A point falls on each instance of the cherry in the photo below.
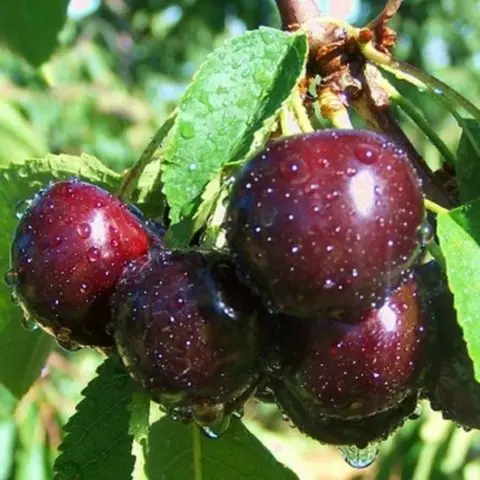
(69, 249)
(334, 431)
(187, 331)
(355, 364)
(324, 220)
(451, 385)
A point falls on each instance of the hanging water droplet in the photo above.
(208, 415)
(217, 430)
(239, 413)
(11, 278)
(14, 299)
(28, 323)
(425, 234)
(180, 414)
(360, 457)
(21, 208)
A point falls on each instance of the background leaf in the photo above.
(30, 27)
(240, 86)
(22, 353)
(98, 444)
(468, 161)
(459, 234)
(237, 455)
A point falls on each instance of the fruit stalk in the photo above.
(294, 12)
(377, 116)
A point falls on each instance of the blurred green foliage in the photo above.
(115, 76)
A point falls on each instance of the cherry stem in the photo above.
(419, 78)
(295, 12)
(419, 119)
(334, 110)
(132, 176)
(434, 207)
(389, 10)
(301, 113)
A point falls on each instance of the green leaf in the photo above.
(459, 234)
(8, 433)
(31, 461)
(180, 452)
(18, 182)
(240, 86)
(30, 28)
(468, 161)
(139, 427)
(30, 350)
(98, 444)
(22, 140)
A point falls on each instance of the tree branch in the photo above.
(296, 12)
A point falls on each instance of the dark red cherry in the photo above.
(68, 252)
(324, 220)
(355, 364)
(335, 431)
(451, 386)
(188, 333)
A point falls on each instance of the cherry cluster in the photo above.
(320, 299)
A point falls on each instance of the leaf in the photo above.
(467, 166)
(30, 28)
(19, 349)
(19, 132)
(459, 234)
(98, 444)
(23, 355)
(180, 452)
(240, 86)
(8, 433)
(31, 461)
(139, 427)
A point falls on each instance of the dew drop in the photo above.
(217, 430)
(11, 279)
(84, 230)
(425, 234)
(208, 415)
(28, 323)
(187, 130)
(192, 167)
(239, 413)
(367, 154)
(360, 457)
(14, 299)
(93, 254)
(21, 208)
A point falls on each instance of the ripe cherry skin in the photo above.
(451, 386)
(355, 364)
(187, 331)
(336, 431)
(68, 252)
(326, 219)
